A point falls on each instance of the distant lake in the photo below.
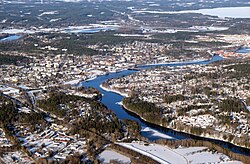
(243, 50)
(232, 12)
(90, 30)
(10, 38)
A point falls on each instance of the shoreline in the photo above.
(202, 137)
(146, 121)
(138, 116)
(174, 62)
(217, 141)
(136, 68)
(237, 149)
(78, 81)
(114, 91)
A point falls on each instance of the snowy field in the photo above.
(94, 27)
(108, 155)
(156, 134)
(73, 82)
(157, 152)
(113, 90)
(193, 155)
(201, 155)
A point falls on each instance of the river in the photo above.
(243, 50)
(111, 99)
(10, 38)
(150, 131)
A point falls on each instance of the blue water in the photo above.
(213, 59)
(243, 50)
(92, 30)
(10, 38)
(110, 99)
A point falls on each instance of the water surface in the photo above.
(232, 12)
(89, 30)
(10, 38)
(243, 50)
(110, 99)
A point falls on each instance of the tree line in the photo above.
(232, 105)
(11, 59)
(144, 109)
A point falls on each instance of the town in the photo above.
(124, 82)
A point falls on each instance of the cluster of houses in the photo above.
(53, 141)
(202, 121)
(4, 142)
(12, 155)
(231, 54)
(16, 157)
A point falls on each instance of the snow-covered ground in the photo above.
(93, 74)
(108, 155)
(48, 13)
(24, 109)
(16, 157)
(177, 62)
(8, 90)
(4, 142)
(115, 91)
(17, 31)
(157, 152)
(164, 154)
(248, 107)
(62, 30)
(202, 121)
(132, 35)
(208, 28)
(72, 82)
(152, 133)
(155, 134)
(201, 155)
(54, 20)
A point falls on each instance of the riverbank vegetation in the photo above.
(133, 129)
(145, 110)
(232, 105)
(172, 98)
(86, 114)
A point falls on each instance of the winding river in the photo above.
(243, 50)
(111, 99)
(150, 131)
(10, 38)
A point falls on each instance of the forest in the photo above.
(52, 104)
(11, 59)
(172, 98)
(232, 105)
(144, 109)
